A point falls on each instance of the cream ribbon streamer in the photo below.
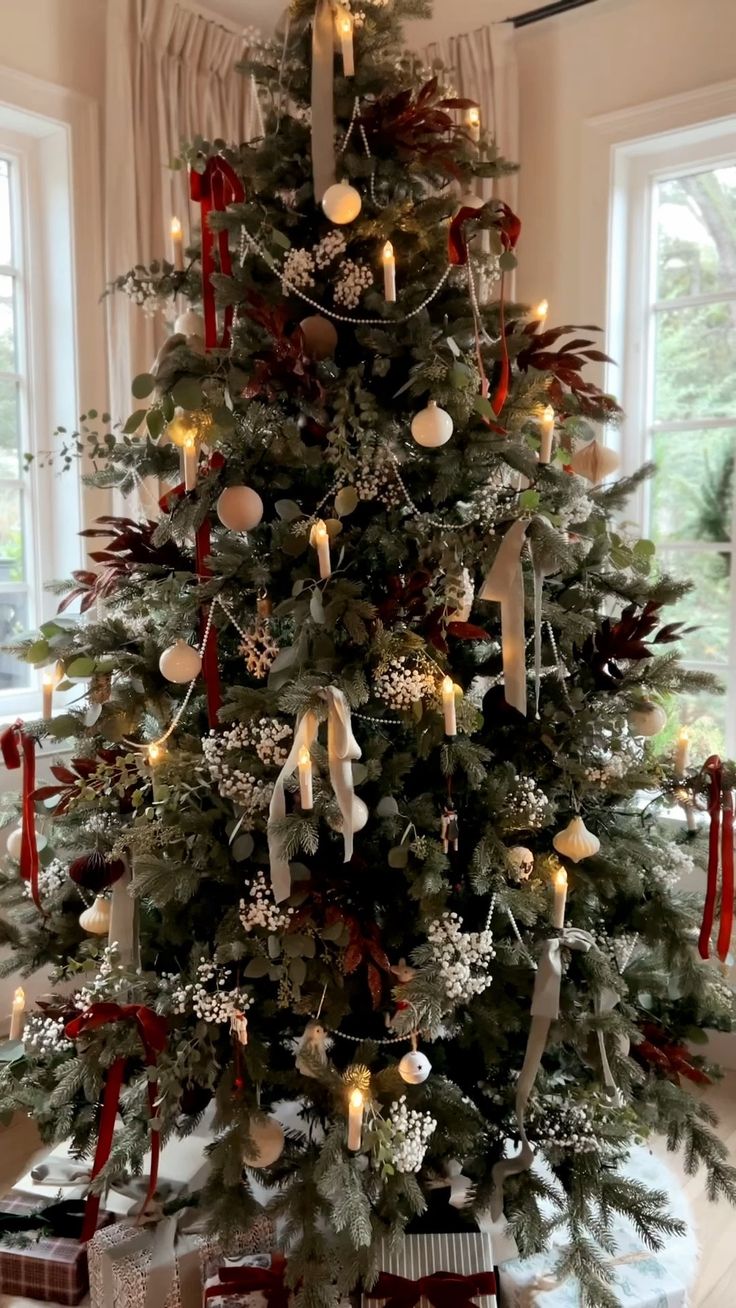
(305, 734)
(505, 584)
(323, 102)
(544, 1011)
(123, 930)
(342, 749)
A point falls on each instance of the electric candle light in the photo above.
(190, 460)
(177, 241)
(389, 273)
(558, 910)
(448, 706)
(547, 425)
(319, 538)
(305, 778)
(355, 1119)
(472, 122)
(682, 752)
(154, 754)
(18, 1014)
(345, 30)
(48, 685)
(540, 312)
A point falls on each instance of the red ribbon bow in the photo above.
(152, 1031)
(673, 1060)
(214, 189)
(19, 749)
(720, 850)
(442, 1289)
(248, 1280)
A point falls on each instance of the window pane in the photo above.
(696, 233)
(706, 607)
(7, 326)
(11, 535)
(705, 717)
(694, 358)
(14, 621)
(9, 429)
(6, 234)
(692, 490)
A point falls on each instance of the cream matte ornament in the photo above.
(432, 427)
(320, 336)
(360, 815)
(522, 862)
(267, 1135)
(594, 461)
(576, 842)
(647, 719)
(14, 843)
(341, 203)
(96, 919)
(180, 663)
(240, 508)
(190, 324)
(414, 1067)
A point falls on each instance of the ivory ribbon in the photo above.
(124, 920)
(605, 1000)
(174, 1244)
(505, 584)
(323, 101)
(544, 1011)
(525, 1296)
(305, 733)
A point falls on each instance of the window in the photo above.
(675, 209)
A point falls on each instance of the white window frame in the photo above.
(51, 133)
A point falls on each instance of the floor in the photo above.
(715, 1223)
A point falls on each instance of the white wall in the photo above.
(61, 41)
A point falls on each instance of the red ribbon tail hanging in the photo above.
(214, 189)
(502, 387)
(19, 750)
(110, 1101)
(725, 928)
(210, 665)
(713, 766)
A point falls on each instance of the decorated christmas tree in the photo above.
(361, 811)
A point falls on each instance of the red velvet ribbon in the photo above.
(720, 851)
(19, 750)
(214, 189)
(672, 1059)
(441, 1289)
(249, 1280)
(509, 229)
(210, 665)
(152, 1032)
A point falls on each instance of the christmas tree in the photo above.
(355, 801)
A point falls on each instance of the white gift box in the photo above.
(415, 1256)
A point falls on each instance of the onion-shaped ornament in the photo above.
(414, 1067)
(522, 862)
(320, 336)
(341, 203)
(180, 663)
(240, 508)
(594, 461)
(95, 872)
(647, 719)
(576, 842)
(267, 1136)
(96, 918)
(14, 843)
(432, 427)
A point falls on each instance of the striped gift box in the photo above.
(52, 1268)
(461, 1253)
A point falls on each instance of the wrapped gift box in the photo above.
(641, 1279)
(51, 1268)
(117, 1278)
(464, 1253)
(224, 1288)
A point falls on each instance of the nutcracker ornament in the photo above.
(450, 831)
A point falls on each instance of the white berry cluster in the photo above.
(577, 509)
(111, 982)
(297, 269)
(266, 736)
(251, 793)
(260, 910)
(217, 1005)
(331, 247)
(410, 1132)
(403, 682)
(487, 499)
(461, 957)
(50, 880)
(354, 278)
(259, 649)
(375, 478)
(142, 292)
(670, 866)
(44, 1036)
(564, 1126)
(527, 804)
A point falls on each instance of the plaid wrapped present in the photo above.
(123, 1257)
(52, 1268)
(449, 1270)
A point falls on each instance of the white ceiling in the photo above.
(266, 13)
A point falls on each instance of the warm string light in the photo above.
(177, 241)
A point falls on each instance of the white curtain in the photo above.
(483, 67)
(170, 77)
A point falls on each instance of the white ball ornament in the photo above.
(432, 427)
(96, 919)
(414, 1067)
(341, 203)
(647, 719)
(267, 1135)
(240, 508)
(180, 663)
(14, 843)
(190, 324)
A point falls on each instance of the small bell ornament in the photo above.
(341, 203)
(576, 842)
(240, 508)
(180, 663)
(267, 1142)
(414, 1067)
(96, 919)
(432, 427)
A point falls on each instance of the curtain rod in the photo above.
(547, 11)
